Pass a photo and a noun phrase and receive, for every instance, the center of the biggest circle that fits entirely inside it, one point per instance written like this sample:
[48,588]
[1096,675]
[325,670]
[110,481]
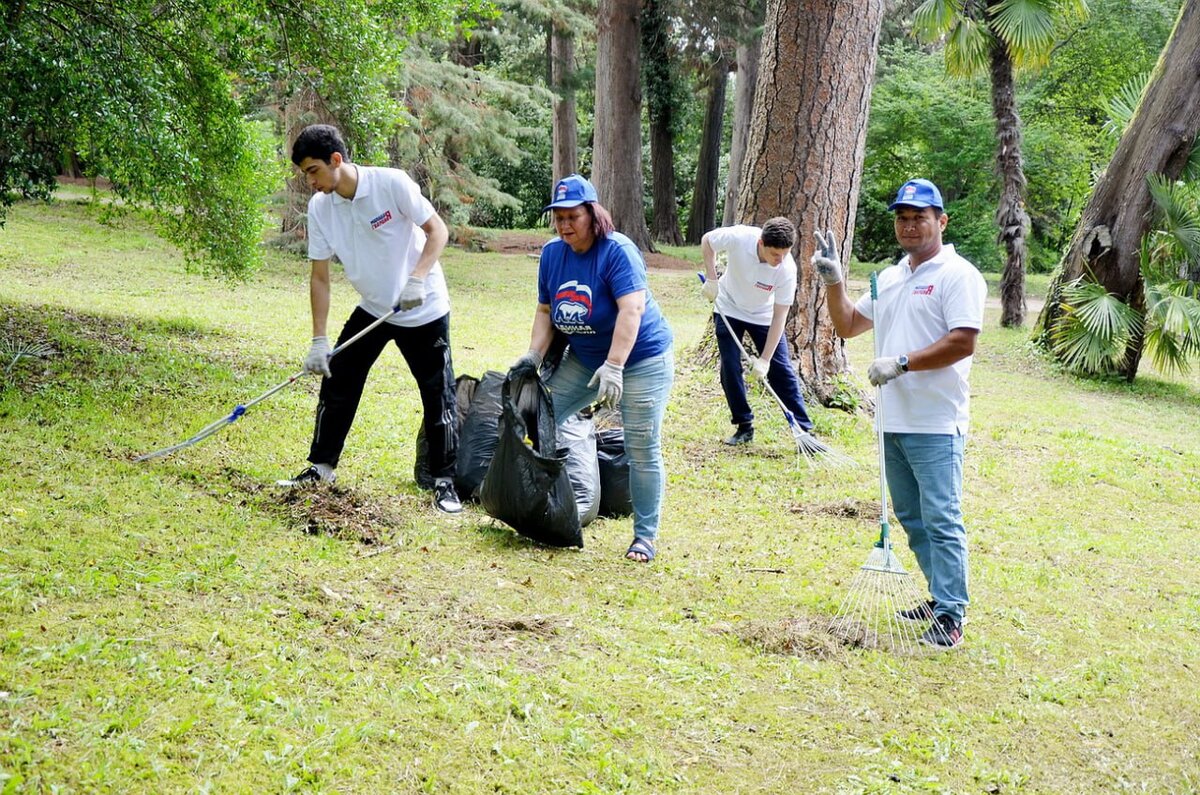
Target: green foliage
[1094,329]
[157,98]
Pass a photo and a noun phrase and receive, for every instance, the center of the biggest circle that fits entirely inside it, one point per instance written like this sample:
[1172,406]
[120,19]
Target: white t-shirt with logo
[378,237]
[917,308]
[750,288]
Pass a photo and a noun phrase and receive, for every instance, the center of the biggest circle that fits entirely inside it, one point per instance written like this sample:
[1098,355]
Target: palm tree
[1001,35]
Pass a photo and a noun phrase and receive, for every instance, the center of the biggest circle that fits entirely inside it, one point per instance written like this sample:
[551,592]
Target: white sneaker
[309,477]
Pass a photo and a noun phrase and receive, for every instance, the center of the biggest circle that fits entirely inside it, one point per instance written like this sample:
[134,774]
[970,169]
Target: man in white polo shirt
[927,317]
[755,293]
[388,238]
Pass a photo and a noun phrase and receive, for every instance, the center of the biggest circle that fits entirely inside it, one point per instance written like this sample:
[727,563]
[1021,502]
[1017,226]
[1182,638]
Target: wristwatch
[903,362]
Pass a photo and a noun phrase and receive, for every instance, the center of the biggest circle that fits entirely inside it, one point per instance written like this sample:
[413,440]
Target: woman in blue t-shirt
[592,288]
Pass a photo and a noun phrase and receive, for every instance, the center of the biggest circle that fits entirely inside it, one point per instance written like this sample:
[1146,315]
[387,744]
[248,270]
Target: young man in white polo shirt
[388,238]
[755,293]
[927,317]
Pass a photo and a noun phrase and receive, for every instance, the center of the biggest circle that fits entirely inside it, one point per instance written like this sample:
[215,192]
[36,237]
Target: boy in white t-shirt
[927,316]
[755,294]
[388,238]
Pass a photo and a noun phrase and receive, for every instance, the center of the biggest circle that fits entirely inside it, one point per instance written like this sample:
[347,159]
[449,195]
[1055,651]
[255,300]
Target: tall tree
[748,46]
[565,126]
[708,165]
[1159,139]
[1001,34]
[617,146]
[804,154]
[664,95]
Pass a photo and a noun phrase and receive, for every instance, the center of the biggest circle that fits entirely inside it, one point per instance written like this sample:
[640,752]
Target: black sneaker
[922,612]
[743,435]
[445,498]
[309,477]
[943,633]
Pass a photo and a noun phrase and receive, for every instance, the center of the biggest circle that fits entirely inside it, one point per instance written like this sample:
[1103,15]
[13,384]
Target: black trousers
[426,349]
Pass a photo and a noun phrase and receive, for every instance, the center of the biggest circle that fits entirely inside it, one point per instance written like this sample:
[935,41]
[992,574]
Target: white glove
[710,289]
[610,379]
[825,258]
[884,369]
[413,294]
[317,360]
[760,367]
[530,358]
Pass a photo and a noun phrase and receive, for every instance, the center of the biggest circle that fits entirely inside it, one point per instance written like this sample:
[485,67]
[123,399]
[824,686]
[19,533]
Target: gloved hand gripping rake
[240,410]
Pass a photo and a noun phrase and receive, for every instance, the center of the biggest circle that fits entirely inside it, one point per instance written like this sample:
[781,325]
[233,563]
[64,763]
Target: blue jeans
[924,476]
[781,376]
[647,386]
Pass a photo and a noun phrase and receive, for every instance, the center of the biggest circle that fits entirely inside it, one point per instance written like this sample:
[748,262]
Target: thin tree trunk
[804,154]
[743,105]
[1011,218]
[1117,216]
[617,147]
[708,165]
[565,126]
[661,97]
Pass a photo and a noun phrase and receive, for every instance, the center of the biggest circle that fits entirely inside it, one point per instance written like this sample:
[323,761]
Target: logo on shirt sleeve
[923,289]
[380,220]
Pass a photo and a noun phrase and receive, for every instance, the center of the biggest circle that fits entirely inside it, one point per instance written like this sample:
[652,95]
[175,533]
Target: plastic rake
[240,409]
[882,587]
[809,446]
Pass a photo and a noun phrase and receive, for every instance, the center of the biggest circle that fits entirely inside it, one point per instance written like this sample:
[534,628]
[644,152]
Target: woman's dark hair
[778,232]
[602,222]
[318,141]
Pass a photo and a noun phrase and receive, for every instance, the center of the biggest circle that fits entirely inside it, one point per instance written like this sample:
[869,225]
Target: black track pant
[427,351]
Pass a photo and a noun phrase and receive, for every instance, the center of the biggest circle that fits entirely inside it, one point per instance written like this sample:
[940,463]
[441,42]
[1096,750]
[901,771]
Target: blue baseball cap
[571,191]
[917,193]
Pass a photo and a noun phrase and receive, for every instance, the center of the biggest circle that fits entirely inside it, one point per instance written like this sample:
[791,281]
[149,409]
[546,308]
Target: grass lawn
[180,626]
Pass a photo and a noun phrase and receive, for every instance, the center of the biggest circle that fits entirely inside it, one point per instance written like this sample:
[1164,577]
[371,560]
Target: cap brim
[565,204]
[918,205]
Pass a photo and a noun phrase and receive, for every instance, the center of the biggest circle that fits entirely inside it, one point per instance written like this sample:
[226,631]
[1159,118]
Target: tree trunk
[617,146]
[661,101]
[1011,218]
[743,105]
[1117,215]
[804,154]
[708,165]
[565,128]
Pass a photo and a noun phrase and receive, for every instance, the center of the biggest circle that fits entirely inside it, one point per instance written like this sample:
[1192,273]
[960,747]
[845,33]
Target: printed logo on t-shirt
[923,289]
[764,286]
[572,308]
[380,220]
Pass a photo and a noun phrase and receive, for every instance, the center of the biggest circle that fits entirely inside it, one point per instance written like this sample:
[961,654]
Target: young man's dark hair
[779,232]
[318,141]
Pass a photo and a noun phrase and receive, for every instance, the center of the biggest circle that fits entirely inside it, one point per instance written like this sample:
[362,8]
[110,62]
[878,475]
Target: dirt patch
[326,510]
[530,244]
[848,508]
[796,637]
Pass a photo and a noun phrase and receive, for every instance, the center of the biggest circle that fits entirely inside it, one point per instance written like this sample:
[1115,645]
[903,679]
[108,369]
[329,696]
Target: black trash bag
[527,486]
[477,439]
[578,436]
[615,499]
[464,391]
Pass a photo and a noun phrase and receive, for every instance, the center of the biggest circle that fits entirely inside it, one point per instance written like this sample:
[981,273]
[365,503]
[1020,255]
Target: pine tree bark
[617,145]
[564,123]
[703,216]
[1117,216]
[804,154]
[743,105]
[1011,218]
[660,69]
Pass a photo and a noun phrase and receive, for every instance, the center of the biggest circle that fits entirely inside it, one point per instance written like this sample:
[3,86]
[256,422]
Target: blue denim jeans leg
[924,476]
[781,376]
[647,387]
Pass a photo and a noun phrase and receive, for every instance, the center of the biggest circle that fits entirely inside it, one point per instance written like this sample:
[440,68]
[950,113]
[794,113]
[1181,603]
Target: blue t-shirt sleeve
[624,270]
